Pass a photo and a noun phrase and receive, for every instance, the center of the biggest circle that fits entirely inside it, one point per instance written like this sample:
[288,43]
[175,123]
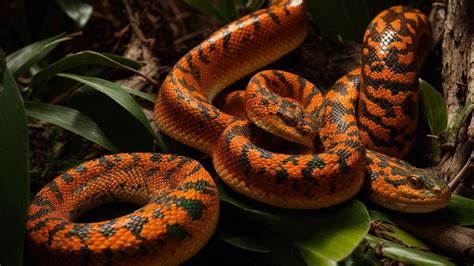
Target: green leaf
[361,256]
[206,7]
[406,255]
[14,169]
[119,95]
[435,111]
[352,17]
[141,94]
[77,11]
[71,120]
[434,108]
[21,60]
[283,252]
[460,210]
[120,126]
[323,236]
[379,216]
[344,228]
[269,245]
[83,58]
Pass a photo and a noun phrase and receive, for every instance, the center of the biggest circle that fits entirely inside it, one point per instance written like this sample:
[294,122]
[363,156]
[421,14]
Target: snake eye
[288,120]
[415,182]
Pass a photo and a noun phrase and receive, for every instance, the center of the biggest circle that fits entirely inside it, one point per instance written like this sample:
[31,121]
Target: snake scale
[369,112]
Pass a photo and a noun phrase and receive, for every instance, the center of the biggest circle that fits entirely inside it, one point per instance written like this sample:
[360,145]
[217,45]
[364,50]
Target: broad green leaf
[120,126]
[406,255]
[283,252]
[380,216]
[315,258]
[118,94]
[14,168]
[435,112]
[71,120]
[206,7]
[84,58]
[393,231]
[434,108]
[256,237]
[460,210]
[344,228]
[352,17]
[21,60]
[323,236]
[77,11]
[361,256]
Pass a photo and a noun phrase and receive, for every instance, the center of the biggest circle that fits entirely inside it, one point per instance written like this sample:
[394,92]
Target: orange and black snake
[372,109]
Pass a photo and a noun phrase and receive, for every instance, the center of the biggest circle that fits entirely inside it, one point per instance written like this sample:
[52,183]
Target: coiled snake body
[372,109]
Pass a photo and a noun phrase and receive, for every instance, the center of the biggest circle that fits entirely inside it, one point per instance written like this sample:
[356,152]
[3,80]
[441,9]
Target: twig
[432,136]
[141,37]
[463,173]
[119,35]
[186,37]
[152,81]
[134,24]
[179,19]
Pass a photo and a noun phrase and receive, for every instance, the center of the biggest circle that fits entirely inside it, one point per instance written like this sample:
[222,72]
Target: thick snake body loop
[229,54]
[394,47]
[297,181]
[179,214]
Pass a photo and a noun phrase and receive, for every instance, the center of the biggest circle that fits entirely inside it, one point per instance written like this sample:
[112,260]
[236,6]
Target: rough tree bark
[458,86]
[453,25]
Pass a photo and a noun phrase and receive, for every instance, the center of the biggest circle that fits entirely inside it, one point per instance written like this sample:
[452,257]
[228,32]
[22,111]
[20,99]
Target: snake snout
[307,131]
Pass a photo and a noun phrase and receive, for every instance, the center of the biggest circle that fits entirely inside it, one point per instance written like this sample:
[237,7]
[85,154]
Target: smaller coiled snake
[179,197]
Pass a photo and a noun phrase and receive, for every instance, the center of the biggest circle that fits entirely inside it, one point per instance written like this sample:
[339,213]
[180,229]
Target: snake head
[285,118]
[399,186]
[295,125]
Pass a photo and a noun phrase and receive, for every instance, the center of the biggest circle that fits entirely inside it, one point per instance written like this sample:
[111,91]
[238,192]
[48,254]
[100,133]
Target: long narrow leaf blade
[118,94]
[460,210]
[21,60]
[141,94]
[71,120]
[84,58]
[14,170]
[121,127]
